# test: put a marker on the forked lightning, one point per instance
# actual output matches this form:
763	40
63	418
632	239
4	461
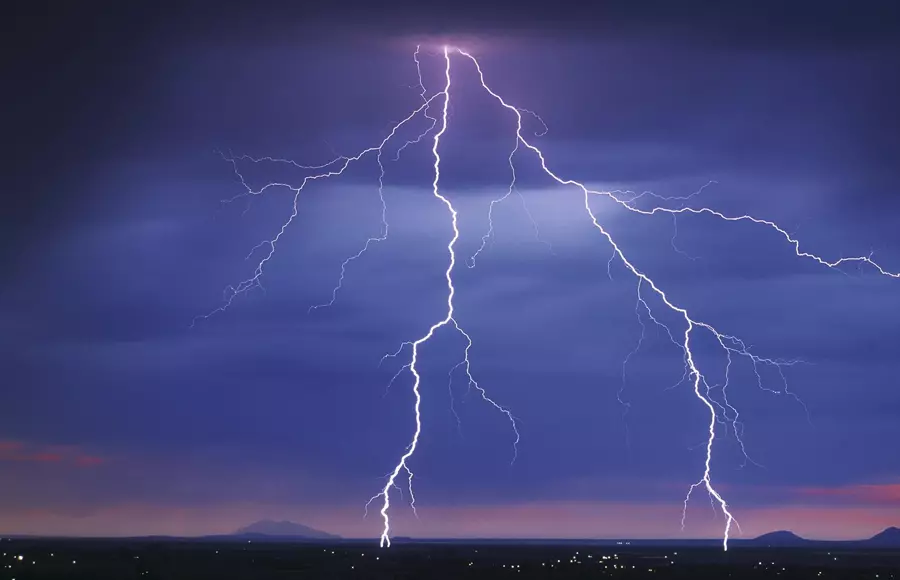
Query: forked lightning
720	411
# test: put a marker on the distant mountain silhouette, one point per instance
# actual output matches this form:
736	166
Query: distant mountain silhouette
888	538
284	529
779	538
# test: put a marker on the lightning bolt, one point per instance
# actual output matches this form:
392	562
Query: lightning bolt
448	319
730	344
720	410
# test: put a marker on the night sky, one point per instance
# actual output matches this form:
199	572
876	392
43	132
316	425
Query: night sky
119	418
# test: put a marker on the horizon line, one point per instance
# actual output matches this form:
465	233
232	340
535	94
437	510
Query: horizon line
338	538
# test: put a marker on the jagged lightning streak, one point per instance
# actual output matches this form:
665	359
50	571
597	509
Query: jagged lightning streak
644	279
422	93
402	465
333	168
384	223
342	163
719	412
489	235
691	324
411	448
512	187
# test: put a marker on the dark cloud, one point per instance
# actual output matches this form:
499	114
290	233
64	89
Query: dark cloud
118	240
763	25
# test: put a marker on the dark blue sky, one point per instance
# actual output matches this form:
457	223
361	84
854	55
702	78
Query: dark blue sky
121	418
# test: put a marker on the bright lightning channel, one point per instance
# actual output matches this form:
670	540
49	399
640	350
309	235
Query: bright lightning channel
719	412
448	319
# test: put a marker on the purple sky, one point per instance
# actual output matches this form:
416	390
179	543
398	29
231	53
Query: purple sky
121	419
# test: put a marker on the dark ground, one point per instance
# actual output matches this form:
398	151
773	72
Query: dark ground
191	560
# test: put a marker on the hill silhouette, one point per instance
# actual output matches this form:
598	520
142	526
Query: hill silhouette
284	529
889	537
780	538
